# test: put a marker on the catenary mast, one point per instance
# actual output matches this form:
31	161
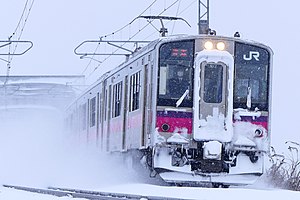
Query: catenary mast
203	23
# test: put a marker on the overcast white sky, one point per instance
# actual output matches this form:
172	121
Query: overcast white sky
56	27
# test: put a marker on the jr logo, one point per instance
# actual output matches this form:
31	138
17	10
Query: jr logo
252	54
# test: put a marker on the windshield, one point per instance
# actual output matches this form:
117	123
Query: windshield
251	72
213	83
176	74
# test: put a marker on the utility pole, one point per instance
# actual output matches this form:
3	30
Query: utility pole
203	14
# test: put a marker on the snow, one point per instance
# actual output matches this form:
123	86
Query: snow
172	192
240	112
246	136
244	141
212	150
177	138
35	152
212	127
204	193
12	194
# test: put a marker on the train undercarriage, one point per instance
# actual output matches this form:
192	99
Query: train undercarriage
179	165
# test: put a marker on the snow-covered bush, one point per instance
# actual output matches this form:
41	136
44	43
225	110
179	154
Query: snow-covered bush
285	169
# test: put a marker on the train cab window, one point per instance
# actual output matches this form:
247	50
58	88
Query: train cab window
213	83
93	112
176	73
252	66
117	96
135	84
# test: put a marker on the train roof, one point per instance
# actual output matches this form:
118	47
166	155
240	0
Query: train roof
152	45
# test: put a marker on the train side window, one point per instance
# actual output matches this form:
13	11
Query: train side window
135	83
93	112
117	94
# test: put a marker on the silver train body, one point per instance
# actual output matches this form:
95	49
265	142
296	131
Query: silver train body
196	109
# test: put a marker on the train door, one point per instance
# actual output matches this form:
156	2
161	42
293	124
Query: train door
101	117
146	107
87	121
98	122
107	116
213	97
125	114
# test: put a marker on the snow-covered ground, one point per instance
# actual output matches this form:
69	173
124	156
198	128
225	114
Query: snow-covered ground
175	192
34	152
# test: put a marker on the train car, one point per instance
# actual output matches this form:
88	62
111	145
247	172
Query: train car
196	109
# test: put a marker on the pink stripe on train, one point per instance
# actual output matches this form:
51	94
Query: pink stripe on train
174	123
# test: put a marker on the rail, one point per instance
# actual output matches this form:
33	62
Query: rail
76	193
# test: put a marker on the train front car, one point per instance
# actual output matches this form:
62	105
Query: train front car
213	111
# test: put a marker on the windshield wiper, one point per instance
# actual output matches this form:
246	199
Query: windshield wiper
180	100
248	104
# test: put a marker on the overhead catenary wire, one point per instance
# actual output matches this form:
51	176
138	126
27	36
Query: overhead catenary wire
19	23
131	37
111	34
18	31
177	13
182	11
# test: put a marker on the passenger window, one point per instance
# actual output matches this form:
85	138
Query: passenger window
93	112
117	95
135	84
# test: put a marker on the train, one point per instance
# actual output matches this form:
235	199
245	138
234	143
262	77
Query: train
193	109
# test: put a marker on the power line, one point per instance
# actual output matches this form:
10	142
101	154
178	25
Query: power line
24	9
131	37
24	24
182	11
112	34
24	17
177	13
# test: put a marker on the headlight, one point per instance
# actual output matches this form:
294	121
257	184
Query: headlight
220	46
208	45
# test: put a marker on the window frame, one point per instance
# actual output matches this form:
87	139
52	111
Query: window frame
167	57
135	91
92	112
218	96
117	99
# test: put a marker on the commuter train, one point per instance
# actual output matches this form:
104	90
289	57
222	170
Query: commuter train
193	109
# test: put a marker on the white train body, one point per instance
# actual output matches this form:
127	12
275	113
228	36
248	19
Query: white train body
197	108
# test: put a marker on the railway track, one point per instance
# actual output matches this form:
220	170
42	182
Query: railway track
86	194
